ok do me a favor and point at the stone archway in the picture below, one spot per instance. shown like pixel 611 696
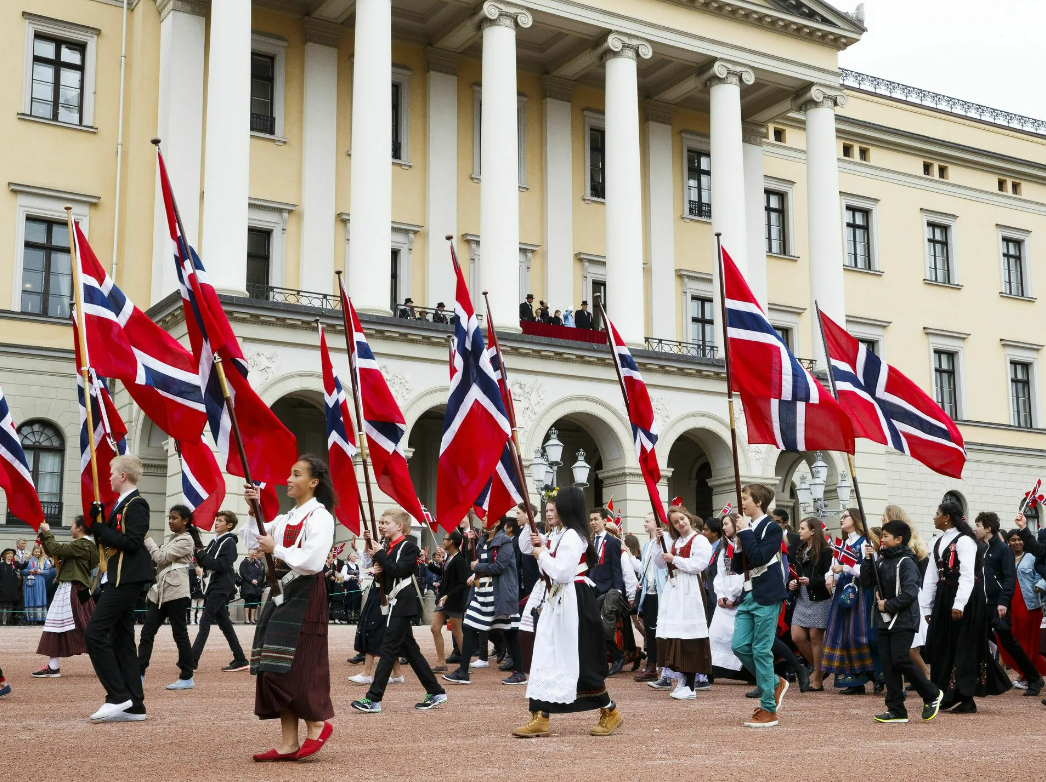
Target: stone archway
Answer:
pixel 791 467
pixel 302 412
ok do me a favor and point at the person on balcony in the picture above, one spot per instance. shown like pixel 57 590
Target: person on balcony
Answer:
pixel 568 319
pixel 582 317
pixel 526 309
pixel 440 315
pixel 542 313
pixel 407 310
pixel 557 318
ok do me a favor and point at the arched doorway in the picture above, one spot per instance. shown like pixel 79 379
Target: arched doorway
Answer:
pixel 575 438
pixel 423 447
pixel 302 413
pixel 691 473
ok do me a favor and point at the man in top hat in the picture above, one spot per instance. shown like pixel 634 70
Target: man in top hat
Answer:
pixel 582 317
pixel 440 315
pixel 526 308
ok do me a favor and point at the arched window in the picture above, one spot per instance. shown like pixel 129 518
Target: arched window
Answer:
pixel 45 453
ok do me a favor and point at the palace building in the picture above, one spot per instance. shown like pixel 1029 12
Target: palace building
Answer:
pixel 570 148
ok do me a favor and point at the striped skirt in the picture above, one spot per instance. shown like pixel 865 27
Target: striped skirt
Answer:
pixel 480 612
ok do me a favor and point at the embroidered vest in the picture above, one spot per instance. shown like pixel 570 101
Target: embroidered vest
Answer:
pixel 947 563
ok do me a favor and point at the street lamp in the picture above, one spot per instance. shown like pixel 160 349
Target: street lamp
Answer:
pixel 581 470
pixel 810 494
pixel 545 466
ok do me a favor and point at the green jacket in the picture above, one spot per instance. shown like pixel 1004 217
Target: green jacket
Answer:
pixel 78 557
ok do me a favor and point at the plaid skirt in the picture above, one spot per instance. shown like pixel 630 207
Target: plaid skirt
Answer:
pixel 847 644
pixel 69 616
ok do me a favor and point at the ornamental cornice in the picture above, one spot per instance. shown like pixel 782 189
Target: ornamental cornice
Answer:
pixel 658 112
pixel 817 96
pixel 497 13
pixel 194 7
pixel 442 60
pixel 619 44
pixel 752 133
pixel 321 32
pixel 724 72
pixel 557 88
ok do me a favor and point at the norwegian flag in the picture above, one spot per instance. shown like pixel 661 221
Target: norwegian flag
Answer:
pixel 341 443
pixel 270 501
pixel 1033 498
pixel 785 406
pixel 383 423
pixel 475 426
pixel 271 449
pixel 677 501
pixel 336 551
pixel 729 550
pixel 726 509
pixel 887 407
pixel 16 478
pixel 203 485
pixel 123 343
pixel 843 554
pixel 641 415
pixel 793 572
pixel 110 435
pixel 428 519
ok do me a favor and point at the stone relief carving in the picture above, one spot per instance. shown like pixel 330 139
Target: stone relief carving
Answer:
pixel 399 383
pixel 263 365
pixel 527 399
pixel 662 412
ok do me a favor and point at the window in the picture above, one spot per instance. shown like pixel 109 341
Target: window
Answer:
pixel 938 247
pixel 1020 394
pixel 787 337
pixel 871 345
pixel 597 162
pixel 1012 267
pixel 58 80
pixel 942 172
pixel 848 150
pixel 779 135
pixel 945 382
pixel 599 288
pixel 702 325
pixel 858 238
pixel 394 282
pixel 401 115
pixel 263 93
pixel 776 236
pixel 1015 188
pixel 1002 186
pixel 699 183
pixel 44 449
pixel 864 154
pixel 259 262
pixel 46 270
pixel 396 121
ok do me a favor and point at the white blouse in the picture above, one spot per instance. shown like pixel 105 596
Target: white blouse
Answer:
pixel 700 554
pixel 966 547
pixel 308 556
pixel 562 567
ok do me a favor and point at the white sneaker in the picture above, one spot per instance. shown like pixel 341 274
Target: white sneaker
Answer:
pixel 123 716
pixel 396 680
pixel 182 684
pixel 109 709
pixel 1020 684
pixel 683 693
pixel 361 679
pixel 479 664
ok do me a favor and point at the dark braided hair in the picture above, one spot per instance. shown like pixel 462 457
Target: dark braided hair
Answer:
pixel 954 511
pixel 570 507
pixel 324 491
pixel 190 525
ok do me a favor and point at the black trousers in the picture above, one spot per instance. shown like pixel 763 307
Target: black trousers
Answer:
pixel 1005 639
pixel 649 613
pixel 399 641
pixel 109 638
pixel 216 609
pixel 894 646
pixel 177 612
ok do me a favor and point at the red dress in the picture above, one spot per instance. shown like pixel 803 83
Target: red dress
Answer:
pixel 1025 626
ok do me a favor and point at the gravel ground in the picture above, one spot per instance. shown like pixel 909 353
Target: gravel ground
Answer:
pixel 210 733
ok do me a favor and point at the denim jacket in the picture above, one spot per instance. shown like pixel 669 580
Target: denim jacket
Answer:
pixel 1029 579
pixel 647 556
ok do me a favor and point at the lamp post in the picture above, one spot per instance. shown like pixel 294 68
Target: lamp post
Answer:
pixel 810 494
pixel 544 468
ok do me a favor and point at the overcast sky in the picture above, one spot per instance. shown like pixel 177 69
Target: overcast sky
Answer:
pixel 992 53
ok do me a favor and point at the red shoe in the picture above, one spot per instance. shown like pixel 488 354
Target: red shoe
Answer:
pixel 312 746
pixel 273 756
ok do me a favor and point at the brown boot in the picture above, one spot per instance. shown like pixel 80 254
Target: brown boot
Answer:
pixel 537 727
pixel 648 674
pixel 609 719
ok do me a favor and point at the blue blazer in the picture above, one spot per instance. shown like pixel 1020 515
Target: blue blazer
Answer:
pixel 607 576
pixel 760 543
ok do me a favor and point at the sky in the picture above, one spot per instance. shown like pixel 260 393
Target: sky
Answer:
pixel 984 51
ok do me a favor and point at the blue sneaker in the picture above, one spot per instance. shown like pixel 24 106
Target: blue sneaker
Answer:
pixel 5 690
pixel 182 684
pixel 431 702
pixel 367 706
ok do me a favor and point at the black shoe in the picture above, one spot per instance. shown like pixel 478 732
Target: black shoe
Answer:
pixel 890 717
pixel 457 677
pixel 617 665
pixel 930 709
pixel 1034 688
pixel 507 665
pixel 516 678
pixel 852 690
pixel 403 661
pixel 358 659
pixel 909 688
pixel 752 693
pixel 804 680
pixel 1044 701
pixel 966 707
pixel 454 658
pixel 877 688
pixel 501 654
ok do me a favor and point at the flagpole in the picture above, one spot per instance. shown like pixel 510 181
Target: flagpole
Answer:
pixel 730 385
pixel 624 393
pixel 849 457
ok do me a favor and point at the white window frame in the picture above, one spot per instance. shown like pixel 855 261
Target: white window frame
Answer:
pixel 593 119
pixel 951 342
pixel 401 76
pixel 787 316
pixel 696 284
pixel 951 222
pixel 74 33
pixel 45 204
pixel 477 135
pixel 593 268
pixel 1024 353
pixel 272 216
pixel 870 329
pixel 1024 237
pixel 403 240
pixel 787 187
pixel 870 205
pixel 699 143
pixel 276 47
pixel 526 259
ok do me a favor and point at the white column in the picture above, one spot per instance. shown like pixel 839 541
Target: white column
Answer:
pixel 559 190
pixel 319 154
pixel 179 122
pixel 755 212
pixel 227 153
pixel 728 172
pixel 822 199
pixel 499 162
pixel 371 169
pixel 661 211
pixel 624 193
pixel 441 210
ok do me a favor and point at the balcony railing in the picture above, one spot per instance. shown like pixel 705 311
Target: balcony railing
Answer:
pixel 700 209
pixel 52 515
pixel 807 363
pixel 263 123
pixel 695 349
pixel 325 301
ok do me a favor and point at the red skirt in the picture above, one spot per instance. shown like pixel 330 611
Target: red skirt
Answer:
pixel 305 690
pixel 71 642
pixel 1025 627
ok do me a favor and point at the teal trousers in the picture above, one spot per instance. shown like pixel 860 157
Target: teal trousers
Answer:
pixel 755 628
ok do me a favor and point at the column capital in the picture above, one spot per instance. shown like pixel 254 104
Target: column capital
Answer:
pixel 322 32
pixel 194 7
pixel 724 72
pixel 753 133
pixel 494 13
pixel 817 96
pixel 622 45
pixel 557 88
pixel 442 60
pixel 658 112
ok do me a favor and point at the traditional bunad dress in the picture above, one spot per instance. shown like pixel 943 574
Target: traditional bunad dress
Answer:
pixel 538 595
pixel 847 643
pixel 569 669
pixel 682 629
pixel 72 604
pixel 726 586
pixel 289 652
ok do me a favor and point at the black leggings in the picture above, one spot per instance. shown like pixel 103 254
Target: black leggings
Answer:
pixel 471 638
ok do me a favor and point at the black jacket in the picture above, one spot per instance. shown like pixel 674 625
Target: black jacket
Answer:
pixel 815 571
pixel 901 602
pixel 582 319
pixel 403 563
pixel 529 573
pixel 123 535
pixel 1000 574
pixel 251 570
pixel 218 557
pixel 10 589
pixel 526 311
pixel 452 584
pixel 606 574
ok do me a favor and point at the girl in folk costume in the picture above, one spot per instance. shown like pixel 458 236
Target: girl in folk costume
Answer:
pixel 289 652
pixel 953 601
pixel 72 606
pixel 847 649
pixel 727 587
pixel 370 631
pixel 568 673
pixel 922 556
pixel 813 603
pixel 682 629
pixel 37 575
pixel 538 595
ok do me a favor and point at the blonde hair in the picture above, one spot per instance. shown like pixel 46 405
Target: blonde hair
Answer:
pixel 916 544
pixel 399 516
pixel 696 523
pixel 131 466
